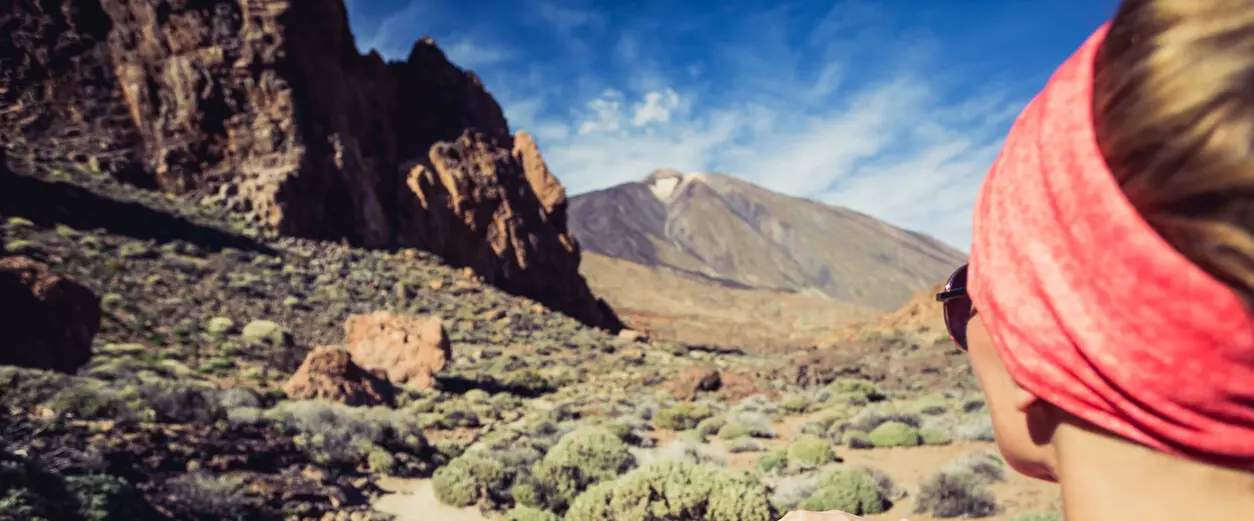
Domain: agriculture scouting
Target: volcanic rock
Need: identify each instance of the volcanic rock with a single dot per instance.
(267, 108)
(47, 320)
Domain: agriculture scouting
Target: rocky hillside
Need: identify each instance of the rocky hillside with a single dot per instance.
(723, 228)
(266, 109)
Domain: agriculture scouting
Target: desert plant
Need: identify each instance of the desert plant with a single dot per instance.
(586, 456)
(676, 491)
(857, 440)
(849, 490)
(745, 444)
(810, 452)
(710, 426)
(894, 434)
(682, 416)
(471, 478)
(934, 436)
(1039, 515)
(773, 461)
(949, 495)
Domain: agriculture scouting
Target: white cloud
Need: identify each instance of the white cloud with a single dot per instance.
(853, 117)
(656, 107)
(470, 53)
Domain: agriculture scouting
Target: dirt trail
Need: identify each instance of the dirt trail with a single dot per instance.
(414, 500)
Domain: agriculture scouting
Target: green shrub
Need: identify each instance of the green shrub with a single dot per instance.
(857, 440)
(934, 436)
(691, 436)
(676, 491)
(265, 332)
(774, 461)
(745, 444)
(795, 404)
(525, 513)
(810, 452)
(526, 380)
(112, 301)
(947, 494)
(849, 490)
(733, 430)
(586, 456)
(710, 426)
(1039, 515)
(465, 480)
(379, 460)
(682, 416)
(932, 405)
(894, 434)
(856, 388)
(754, 424)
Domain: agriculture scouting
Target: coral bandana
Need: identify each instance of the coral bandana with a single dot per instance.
(1089, 307)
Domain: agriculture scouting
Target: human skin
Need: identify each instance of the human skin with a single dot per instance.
(1102, 476)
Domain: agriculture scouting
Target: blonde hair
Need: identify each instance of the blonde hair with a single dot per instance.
(1173, 103)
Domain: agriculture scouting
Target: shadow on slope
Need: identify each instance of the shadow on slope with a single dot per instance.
(48, 203)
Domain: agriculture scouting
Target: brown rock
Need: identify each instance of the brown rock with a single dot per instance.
(694, 379)
(266, 108)
(409, 349)
(47, 320)
(632, 335)
(329, 373)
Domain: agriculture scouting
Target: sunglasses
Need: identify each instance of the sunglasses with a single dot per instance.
(957, 305)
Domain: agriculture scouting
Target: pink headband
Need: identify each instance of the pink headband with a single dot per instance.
(1089, 307)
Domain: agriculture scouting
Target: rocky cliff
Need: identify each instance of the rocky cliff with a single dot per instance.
(267, 108)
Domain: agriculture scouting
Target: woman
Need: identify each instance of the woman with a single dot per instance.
(1108, 313)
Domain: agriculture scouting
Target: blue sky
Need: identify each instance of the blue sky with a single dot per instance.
(895, 108)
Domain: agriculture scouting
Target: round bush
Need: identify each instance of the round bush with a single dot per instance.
(933, 436)
(583, 457)
(810, 452)
(773, 461)
(733, 430)
(857, 440)
(894, 434)
(710, 426)
(682, 416)
(676, 491)
(795, 404)
(850, 490)
(459, 483)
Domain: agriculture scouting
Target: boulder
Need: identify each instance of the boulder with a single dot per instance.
(408, 349)
(47, 320)
(328, 373)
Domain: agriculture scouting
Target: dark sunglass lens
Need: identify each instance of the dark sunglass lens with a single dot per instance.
(957, 314)
(958, 309)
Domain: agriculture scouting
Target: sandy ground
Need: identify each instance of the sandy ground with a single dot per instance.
(413, 500)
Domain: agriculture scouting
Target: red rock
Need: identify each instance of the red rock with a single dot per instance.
(267, 108)
(408, 349)
(47, 320)
(328, 373)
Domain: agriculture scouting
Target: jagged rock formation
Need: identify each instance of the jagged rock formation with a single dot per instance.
(266, 107)
(47, 320)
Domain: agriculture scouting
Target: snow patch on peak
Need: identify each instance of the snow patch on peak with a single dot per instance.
(664, 187)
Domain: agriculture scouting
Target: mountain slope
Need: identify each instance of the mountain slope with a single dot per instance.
(724, 228)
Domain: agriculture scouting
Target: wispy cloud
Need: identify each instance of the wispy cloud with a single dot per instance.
(842, 105)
